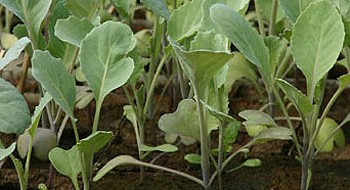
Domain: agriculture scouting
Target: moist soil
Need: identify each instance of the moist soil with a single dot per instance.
(279, 170)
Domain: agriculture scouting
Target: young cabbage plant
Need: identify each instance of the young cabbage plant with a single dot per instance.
(316, 42)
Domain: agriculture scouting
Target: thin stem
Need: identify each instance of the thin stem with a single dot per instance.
(347, 52)
(260, 20)
(97, 115)
(62, 126)
(25, 67)
(273, 17)
(29, 155)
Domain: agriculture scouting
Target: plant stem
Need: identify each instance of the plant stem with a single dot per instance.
(97, 115)
(347, 52)
(273, 17)
(205, 162)
(27, 164)
(25, 67)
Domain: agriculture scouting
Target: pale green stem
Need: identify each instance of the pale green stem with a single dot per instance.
(97, 115)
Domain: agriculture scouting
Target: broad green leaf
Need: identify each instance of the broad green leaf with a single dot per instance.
(73, 30)
(256, 117)
(293, 8)
(82, 8)
(158, 7)
(14, 52)
(14, 112)
(242, 35)
(108, 68)
(265, 6)
(317, 40)
(193, 158)
(299, 100)
(254, 130)
(185, 20)
(273, 133)
(128, 160)
(4, 152)
(252, 163)
(31, 13)
(52, 75)
(344, 81)
(184, 121)
(276, 48)
(239, 67)
(199, 65)
(210, 41)
(327, 127)
(161, 148)
(67, 162)
(124, 6)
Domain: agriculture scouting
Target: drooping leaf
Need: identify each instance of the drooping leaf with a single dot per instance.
(256, 117)
(242, 35)
(14, 52)
(193, 158)
(184, 121)
(73, 30)
(158, 7)
(14, 112)
(179, 25)
(31, 13)
(161, 148)
(317, 40)
(327, 127)
(82, 8)
(52, 75)
(273, 133)
(108, 68)
(199, 65)
(5, 152)
(67, 162)
(299, 100)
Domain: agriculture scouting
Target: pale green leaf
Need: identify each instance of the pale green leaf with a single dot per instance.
(159, 7)
(252, 163)
(265, 6)
(4, 152)
(184, 121)
(7, 40)
(242, 35)
(185, 20)
(293, 8)
(193, 158)
(254, 130)
(52, 75)
(299, 100)
(14, 112)
(256, 117)
(37, 113)
(73, 30)
(327, 127)
(273, 133)
(103, 57)
(31, 13)
(344, 81)
(14, 52)
(161, 148)
(124, 6)
(130, 115)
(67, 162)
(317, 40)
(210, 41)
(276, 47)
(82, 8)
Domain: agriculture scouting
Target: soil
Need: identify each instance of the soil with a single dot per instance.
(279, 169)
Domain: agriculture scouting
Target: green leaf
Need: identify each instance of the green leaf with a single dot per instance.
(256, 117)
(317, 40)
(73, 30)
(14, 112)
(265, 6)
(161, 148)
(4, 152)
(276, 48)
(254, 130)
(242, 35)
(230, 134)
(273, 133)
(82, 8)
(14, 52)
(180, 26)
(37, 113)
(199, 65)
(327, 127)
(344, 81)
(252, 163)
(7, 40)
(299, 100)
(124, 6)
(67, 162)
(210, 41)
(193, 158)
(184, 121)
(108, 68)
(158, 7)
(292, 9)
(218, 114)
(52, 75)
(31, 13)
